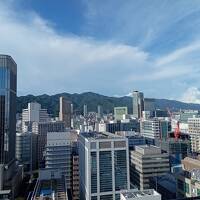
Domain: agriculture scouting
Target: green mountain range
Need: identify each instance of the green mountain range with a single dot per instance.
(51, 102)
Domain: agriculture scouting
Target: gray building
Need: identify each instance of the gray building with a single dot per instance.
(85, 110)
(147, 162)
(138, 104)
(41, 129)
(100, 111)
(58, 153)
(104, 166)
(26, 150)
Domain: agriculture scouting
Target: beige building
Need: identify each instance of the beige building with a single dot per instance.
(190, 163)
(146, 162)
(188, 181)
(194, 132)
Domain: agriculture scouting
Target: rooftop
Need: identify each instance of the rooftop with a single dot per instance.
(99, 135)
(50, 189)
(138, 194)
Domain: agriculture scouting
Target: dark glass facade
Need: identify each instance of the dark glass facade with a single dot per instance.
(120, 170)
(8, 84)
(105, 167)
(93, 172)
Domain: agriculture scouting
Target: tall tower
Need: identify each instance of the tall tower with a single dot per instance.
(8, 87)
(99, 111)
(65, 111)
(85, 111)
(138, 104)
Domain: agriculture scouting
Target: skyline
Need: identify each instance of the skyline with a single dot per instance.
(110, 48)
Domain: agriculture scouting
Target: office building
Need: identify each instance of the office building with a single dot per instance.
(100, 111)
(140, 195)
(177, 149)
(85, 110)
(34, 113)
(120, 112)
(26, 150)
(10, 173)
(155, 128)
(146, 162)
(131, 125)
(58, 153)
(104, 166)
(194, 132)
(41, 129)
(185, 115)
(138, 104)
(65, 113)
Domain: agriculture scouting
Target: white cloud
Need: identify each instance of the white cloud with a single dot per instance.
(51, 63)
(191, 95)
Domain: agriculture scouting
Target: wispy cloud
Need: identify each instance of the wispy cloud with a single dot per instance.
(191, 95)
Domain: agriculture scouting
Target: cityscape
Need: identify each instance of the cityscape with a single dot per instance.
(95, 106)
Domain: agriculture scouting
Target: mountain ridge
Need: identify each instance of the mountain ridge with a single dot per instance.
(51, 102)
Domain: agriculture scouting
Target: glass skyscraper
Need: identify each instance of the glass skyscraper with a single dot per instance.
(8, 85)
(104, 166)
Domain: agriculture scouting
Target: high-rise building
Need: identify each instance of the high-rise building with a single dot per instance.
(8, 89)
(34, 113)
(41, 129)
(58, 153)
(10, 173)
(85, 110)
(146, 162)
(104, 165)
(138, 104)
(194, 132)
(119, 112)
(65, 113)
(100, 111)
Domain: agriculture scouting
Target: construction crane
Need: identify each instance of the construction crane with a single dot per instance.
(177, 131)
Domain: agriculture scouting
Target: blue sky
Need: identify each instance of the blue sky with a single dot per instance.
(107, 46)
